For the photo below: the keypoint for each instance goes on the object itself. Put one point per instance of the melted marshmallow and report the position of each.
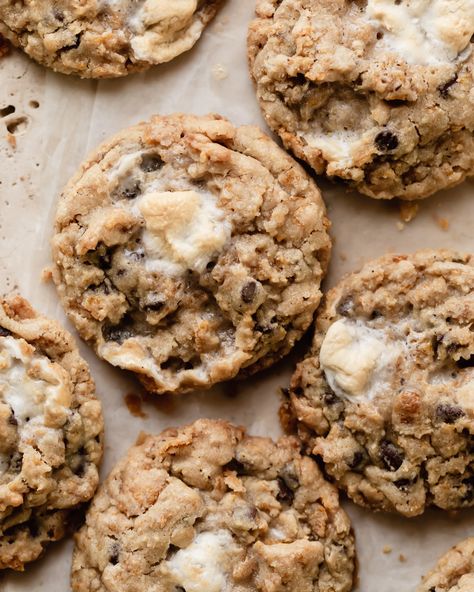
(357, 359)
(183, 230)
(204, 565)
(424, 31)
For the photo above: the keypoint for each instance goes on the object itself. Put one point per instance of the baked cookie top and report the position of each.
(187, 249)
(206, 507)
(105, 38)
(50, 432)
(454, 572)
(386, 394)
(375, 92)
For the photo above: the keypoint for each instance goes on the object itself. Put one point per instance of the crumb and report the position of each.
(134, 405)
(387, 549)
(11, 140)
(408, 210)
(400, 226)
(4, 47)
(402, 558)
(219, 72)
(343, 256)
(443, 223)
(47, 274)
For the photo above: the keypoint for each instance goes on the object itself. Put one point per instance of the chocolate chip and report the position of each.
(236, 466)
(114, 553)
(444, 88)
(395, 103)
(210, 266)
(33, 527)
(119, 332)
(391, 456)
(4, 332)
(386, 141)
(285, 494)
(465, 362)
(402, 484)
(12, 420)
(248, 292)
(330, 397)
(345, 306)
(130, 191)
(448, 413)
(357, 460)
(151, 163)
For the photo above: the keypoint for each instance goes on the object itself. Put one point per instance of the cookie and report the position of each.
(386, 393)
(375, 93)
(454, 572)
(105, 38)
(187, 250)
(206, 507)
(50, 432)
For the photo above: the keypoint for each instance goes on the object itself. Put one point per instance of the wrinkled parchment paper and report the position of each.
(57, 121)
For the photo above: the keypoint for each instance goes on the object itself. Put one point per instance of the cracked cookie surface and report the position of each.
(386, 393)
(105, 38)
(454, 572)
(206, 507)
(374, 92)
(50, 432)
(187, 250)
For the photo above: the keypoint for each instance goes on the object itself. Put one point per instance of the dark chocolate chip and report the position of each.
(151, 163)
(4, 332)
(114, 553)
(119, 332)
(12, 420)
(448, 413)
(285, 494)
(395, 103)
(210, 266)
(402, 484)
(391, 456)
(444, 88)
(345, 306)
(465, 363)
(131, 190)
(356, 460)
(248, 291)
(330, 397)
(33, 527)
(236, 466)
(386, 141)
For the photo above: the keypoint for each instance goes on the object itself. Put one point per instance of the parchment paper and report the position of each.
(72, 117)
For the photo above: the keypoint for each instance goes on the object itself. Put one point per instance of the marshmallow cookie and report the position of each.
(50, 432)
(386, 394)
(104, 38)
(454, 572)
(208, 508)
(187, 250)
(378, 93)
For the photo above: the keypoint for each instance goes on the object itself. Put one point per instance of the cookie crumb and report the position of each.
(400, 226)
(134, 405)
(402, 558)
(387, 549)
(46, 274)
(219, 72)
(408, 210)
(442, 222)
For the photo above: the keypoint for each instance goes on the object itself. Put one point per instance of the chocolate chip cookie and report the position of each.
(105, 38)
(187, 250)
(386, 394)
(376, 93)
(50, 432)
(206, 507)
(454, 572)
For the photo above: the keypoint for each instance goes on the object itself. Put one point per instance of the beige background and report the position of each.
(72, 117)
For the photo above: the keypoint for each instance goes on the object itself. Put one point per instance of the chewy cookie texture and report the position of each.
(50, 432)
(385, 395)
(206, 507)
(377, 93)
(454, 572)
(105, 38)
(187, 250)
